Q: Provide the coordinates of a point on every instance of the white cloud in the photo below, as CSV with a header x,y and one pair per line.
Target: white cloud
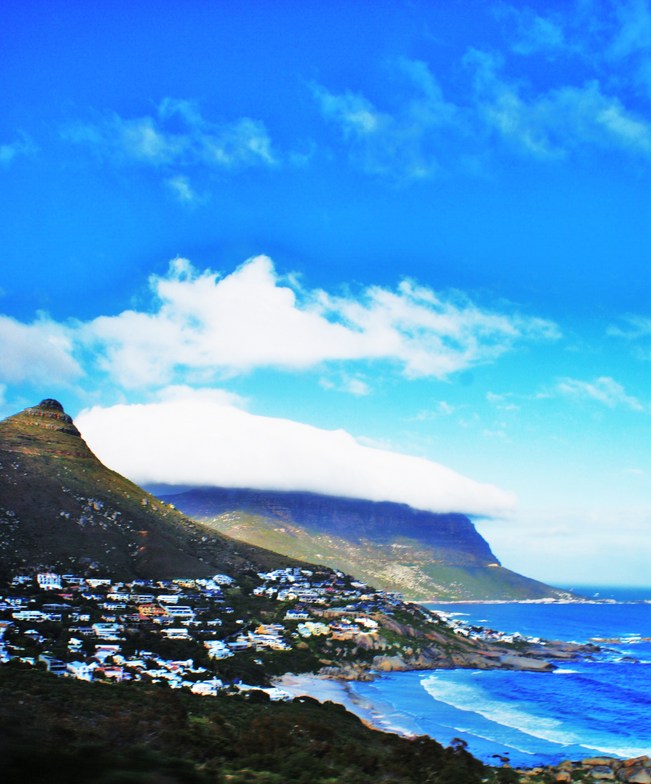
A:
x,y
182,189
580,545
406,142
41,352
557,121
637,330
352,385
633,31
603,390
202,438
9,152
177,136
203,325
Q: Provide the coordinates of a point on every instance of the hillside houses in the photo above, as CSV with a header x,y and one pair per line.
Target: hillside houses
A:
x,y
183,632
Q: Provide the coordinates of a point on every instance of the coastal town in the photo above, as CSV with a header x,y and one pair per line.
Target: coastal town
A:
x,y
174,631
206,635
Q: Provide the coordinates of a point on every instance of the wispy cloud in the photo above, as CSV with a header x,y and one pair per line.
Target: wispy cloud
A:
x,y
503,402
604,390
176,136
554,112
182,190
567,543
352,385
636,327
441,409
637,330
206,326
633,31
404,142
534,33
597,33
555,122
269,453
12,150
41,352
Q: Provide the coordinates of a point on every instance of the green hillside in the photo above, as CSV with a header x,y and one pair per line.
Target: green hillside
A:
x,y
421,555
61,507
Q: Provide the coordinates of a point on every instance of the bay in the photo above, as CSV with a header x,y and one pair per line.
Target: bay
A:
x,y
584,708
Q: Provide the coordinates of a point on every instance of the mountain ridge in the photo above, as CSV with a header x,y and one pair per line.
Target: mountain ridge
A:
x,y
60,507
420,554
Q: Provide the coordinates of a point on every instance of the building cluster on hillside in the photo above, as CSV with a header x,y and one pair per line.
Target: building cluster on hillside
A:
x,y
481,633
100,628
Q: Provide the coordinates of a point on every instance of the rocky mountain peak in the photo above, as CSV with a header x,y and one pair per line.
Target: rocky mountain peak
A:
x,y
62,508
44,429
50,402
50,415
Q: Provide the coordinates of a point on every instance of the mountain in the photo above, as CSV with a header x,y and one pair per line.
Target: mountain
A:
x,y
392,546
60,507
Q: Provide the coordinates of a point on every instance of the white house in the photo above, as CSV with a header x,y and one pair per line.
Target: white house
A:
x,y
217,649
207,688
107,631
80,670
48,581
176,633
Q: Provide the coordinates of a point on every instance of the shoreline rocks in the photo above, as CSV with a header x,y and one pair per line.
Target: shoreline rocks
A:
x,y
636,770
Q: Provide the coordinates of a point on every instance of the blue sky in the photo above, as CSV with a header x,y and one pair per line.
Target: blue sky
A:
x,y
340,236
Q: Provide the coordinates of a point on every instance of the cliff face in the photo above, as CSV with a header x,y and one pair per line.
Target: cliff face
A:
x,y
451,538
61,507
391,546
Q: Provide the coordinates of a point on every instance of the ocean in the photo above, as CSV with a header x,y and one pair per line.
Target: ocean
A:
x,y
584,708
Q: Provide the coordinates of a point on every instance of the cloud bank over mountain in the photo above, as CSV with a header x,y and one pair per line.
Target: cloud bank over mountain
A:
x,y
205,437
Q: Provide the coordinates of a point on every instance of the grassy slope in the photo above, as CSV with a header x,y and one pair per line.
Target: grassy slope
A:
x,y
61,507
406,565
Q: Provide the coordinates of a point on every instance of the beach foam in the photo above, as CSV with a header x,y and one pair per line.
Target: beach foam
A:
x,y
473,700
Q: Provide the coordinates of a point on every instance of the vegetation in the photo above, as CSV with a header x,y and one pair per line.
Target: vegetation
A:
x,y
450,561
56,730
61,507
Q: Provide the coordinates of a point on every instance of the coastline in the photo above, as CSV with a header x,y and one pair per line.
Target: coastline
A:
x,y
533,744
534,720
323,688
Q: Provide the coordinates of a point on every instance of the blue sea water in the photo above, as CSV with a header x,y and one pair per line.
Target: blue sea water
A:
x,y
584,708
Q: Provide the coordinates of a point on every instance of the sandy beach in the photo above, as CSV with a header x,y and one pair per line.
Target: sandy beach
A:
x,y
380,716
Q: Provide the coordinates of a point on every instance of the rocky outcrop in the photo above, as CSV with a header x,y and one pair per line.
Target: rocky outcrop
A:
x,y
50,415
402,647
636,770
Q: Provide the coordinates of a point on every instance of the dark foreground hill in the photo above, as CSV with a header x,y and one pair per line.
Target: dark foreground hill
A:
x,y
420,554
54,731
60,507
